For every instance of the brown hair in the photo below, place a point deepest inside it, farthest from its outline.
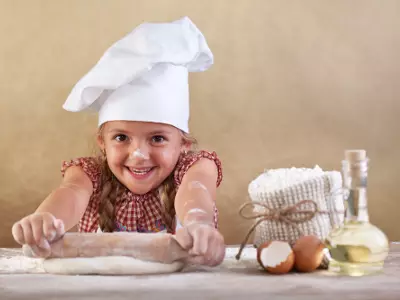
(111, 189)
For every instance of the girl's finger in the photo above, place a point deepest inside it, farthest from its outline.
(196, 260)
(27, 232)
(34, 251)
(184, 239)
(49, 230)
(200, 240)
(59, 226)
(37, 228)
(18, 233)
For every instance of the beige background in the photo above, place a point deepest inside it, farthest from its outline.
(294, 83)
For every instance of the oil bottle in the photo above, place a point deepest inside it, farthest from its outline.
(357, 247)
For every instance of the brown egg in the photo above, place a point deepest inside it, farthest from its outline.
(276, 257)
(308, 251)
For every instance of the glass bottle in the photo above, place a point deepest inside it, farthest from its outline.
(357, 247)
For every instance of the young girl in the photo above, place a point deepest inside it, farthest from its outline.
(148, 178)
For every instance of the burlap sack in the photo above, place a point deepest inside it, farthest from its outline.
(309, 207)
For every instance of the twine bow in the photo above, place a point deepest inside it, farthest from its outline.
(291, 215)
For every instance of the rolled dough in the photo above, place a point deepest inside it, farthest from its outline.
(108, 265)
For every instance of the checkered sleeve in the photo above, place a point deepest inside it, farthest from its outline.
(88, 164)
(190, 159)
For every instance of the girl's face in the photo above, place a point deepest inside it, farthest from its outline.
(141, 154)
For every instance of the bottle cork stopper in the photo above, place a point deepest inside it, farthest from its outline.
(355, 155)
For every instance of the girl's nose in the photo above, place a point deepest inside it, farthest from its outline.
(139, 153)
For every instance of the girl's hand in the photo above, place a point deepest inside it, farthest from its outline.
(205, 243)
(37, 231)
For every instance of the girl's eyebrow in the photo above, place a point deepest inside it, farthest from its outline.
(117, 130)
(159, 132)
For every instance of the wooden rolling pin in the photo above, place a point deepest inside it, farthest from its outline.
(157, 247)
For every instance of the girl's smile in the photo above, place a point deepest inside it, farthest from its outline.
(141, 173)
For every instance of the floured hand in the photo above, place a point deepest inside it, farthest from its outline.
(204, 242)
(37, 231)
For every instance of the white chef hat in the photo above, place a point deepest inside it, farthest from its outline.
(144, 76)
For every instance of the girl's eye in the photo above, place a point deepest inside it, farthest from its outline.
(158, 139)
(120, 138)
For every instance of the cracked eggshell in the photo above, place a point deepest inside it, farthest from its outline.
(276, 257)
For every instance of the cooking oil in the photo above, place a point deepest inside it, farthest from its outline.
(357, 247)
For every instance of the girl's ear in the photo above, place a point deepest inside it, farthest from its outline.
(186, 146)
(100, 142)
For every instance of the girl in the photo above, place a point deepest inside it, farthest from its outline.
(148, 178)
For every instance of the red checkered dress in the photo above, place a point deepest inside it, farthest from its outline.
(140, 213)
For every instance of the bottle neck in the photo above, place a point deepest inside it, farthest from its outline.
(355, 177)
(357, 206)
